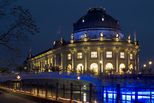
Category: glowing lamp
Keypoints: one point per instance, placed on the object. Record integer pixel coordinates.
(100, 62)
(18, 77)
(129, 40)
(117, 37)
(150, 62)
(101, 36)
(144, 65)
(78, 77)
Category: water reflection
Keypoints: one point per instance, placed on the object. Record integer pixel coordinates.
(88, 94)
(129, 95)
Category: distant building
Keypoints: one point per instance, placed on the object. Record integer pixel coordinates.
(97, 46)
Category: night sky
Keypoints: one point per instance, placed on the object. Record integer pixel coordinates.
(55, 19)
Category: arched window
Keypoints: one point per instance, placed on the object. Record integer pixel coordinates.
(130, 70)
(122, 68)
(94, 68)
(69, 68)
(131, 66)
(80, 68)
(109, 66)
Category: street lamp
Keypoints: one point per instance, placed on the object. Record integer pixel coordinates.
(144, 68)
(150, 63)
(144, 65)
(100, 62)
(78, 77)
(18, 77)
(25, 68)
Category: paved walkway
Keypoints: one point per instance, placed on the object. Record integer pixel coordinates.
(10, 98)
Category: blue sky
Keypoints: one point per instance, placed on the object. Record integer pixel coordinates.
(59, 15)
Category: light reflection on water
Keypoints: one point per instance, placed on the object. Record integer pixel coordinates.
(99, 95)
(129, 96)
(110, 96)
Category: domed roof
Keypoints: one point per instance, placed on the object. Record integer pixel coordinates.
(96, 18)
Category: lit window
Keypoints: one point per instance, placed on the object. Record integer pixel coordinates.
(109, 54)
(94, 54)
(69, 56)
(69, 68)
(131, 66)
(79, 55)
(122, 68)
(94, 68)
(80, 68)
(131, 56)
(122, 55)
(109, 66)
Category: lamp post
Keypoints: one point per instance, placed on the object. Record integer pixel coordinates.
(25, 68)
(144, 65)
(144, 68)
(150, 62)
(18, 77)
(150, 69)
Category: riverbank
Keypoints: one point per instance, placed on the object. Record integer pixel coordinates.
(27, 95)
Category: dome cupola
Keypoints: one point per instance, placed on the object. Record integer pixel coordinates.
(94, 22)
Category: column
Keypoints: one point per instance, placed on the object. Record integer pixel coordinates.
(64, 61)
(135, 62)
(101, 62)
(61, 61)
(138, 61)
(117, 60)
(128, 60)
(46, 66)
(103, 58)
(54, 60)
(85, 56)
(73, 60)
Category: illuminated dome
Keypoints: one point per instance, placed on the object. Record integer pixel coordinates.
(95, 21)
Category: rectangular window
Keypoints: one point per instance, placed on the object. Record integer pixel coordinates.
(109, 54)
(79, 55)
(122, 55)
(94, 54)
(131, 56)
(69, 56)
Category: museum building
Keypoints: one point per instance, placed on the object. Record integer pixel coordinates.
(97, 45)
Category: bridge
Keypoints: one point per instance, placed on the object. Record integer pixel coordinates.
(40, 80)
(39, 85)
(89, 78)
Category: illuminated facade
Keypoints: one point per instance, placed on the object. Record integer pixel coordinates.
(97, 46)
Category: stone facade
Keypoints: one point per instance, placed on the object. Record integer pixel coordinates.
(103, 54)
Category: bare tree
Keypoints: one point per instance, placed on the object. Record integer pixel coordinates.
(16, 26)
(21, 26)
